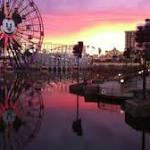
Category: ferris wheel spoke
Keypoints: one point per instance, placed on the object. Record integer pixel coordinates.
(29, 13)
(14, 3)
(14, 56)
(30, 25)
(30, 19)
(24, 34)
(12, 88)
(22, 57)
(20, 4)
(26, 28)
(17, 59)
(29, 38)
(24, 39)
(30, 4)
(33, 37)
(36, 31)
(29, 34)
(34, 104)
(31, 28)
(16, 93)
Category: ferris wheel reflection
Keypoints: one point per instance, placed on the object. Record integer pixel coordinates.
(21, 112)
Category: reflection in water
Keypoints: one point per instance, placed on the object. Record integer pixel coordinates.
(76, 125)
(21, 111)
(21, 114)
(105, 105)
(139, 124)
(102, 129)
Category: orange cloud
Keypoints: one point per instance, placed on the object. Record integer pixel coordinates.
(100, 28)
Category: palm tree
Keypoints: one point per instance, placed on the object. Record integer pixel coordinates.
(99, 51)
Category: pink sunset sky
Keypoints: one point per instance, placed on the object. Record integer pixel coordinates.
(100, 23)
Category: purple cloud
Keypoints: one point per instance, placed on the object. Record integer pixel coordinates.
(58, 6)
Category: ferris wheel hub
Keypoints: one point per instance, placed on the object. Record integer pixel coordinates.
(9, 116)
(8, 26)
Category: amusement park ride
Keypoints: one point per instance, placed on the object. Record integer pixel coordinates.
(21, 27)
(21, 103)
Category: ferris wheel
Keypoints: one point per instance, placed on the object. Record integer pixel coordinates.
(21, 113)
(21, 27)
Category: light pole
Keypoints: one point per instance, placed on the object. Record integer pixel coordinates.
(144, 75)
(77, 125)
(143, 41)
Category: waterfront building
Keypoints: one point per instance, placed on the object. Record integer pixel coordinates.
(129, 39)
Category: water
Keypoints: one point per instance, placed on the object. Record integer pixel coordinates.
(103, 125)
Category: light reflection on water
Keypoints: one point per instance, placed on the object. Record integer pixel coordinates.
(103, 125)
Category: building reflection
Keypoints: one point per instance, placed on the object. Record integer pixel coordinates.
(101, 105)
(139, 124)
(21, 110)
(105, 104)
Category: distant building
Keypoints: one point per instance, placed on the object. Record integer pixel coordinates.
(112, 53)
(129, 39)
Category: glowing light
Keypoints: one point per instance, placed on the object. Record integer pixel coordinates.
(139, 72)
(122, 81)
(121, 112)
(119, 74)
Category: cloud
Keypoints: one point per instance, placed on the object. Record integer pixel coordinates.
(58, 6)
(69, 19)
(67, 23)
(145, 3)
